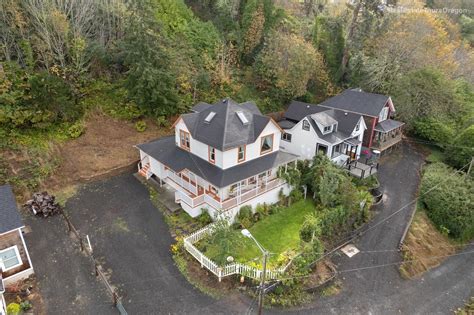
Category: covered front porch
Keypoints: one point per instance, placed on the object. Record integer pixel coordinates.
(387, 134)
(346, 151)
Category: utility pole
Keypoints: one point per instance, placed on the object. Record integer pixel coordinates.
(262, 284)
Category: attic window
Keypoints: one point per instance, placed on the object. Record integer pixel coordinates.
(242, 118)
(209, 117)
(305, 125)
(327, 129)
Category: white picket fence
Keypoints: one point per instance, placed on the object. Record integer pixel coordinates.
(228, 269)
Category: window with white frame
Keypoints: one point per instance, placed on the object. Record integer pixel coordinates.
(10, 258)
(383, 114)
(327, 129)
(305, 125)
(286, 136)
(358, 127)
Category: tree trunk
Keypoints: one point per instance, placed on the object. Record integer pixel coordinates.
(350, 35)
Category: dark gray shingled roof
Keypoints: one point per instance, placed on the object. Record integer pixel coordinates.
(165, 151)
(199, 107)
(9, 217)
(225, 130)
(333, 137)
(358, 101)
(286, 124)
(298, 110)
(387, 125)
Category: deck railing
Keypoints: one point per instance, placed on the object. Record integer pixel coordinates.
(228, 269)
(226, 204)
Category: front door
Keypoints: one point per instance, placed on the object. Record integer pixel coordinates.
(321, 148)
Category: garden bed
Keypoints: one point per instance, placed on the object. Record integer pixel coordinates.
(278, 233)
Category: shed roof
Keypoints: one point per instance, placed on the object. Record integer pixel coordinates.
(9, 217)
(388, 125)
(167, 152)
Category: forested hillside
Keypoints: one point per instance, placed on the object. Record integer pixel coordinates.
(156, 58)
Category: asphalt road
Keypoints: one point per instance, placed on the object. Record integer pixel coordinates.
(131, 238)
(381, 290)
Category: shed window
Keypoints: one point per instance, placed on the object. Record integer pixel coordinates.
(10, 258)
(305, 125)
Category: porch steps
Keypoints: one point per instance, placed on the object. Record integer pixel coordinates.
(145, 170)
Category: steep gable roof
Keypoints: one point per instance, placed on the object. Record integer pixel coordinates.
(298, 110)
(9, 217)
(225, 129)
(346, 121)
(358, 101)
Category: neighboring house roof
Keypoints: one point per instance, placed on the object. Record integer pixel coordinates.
(324, 119)
(358, 101)
(9, 217)
(165, 151)
(226, 130)
(299, 110)
(388, 125)
(286, 124)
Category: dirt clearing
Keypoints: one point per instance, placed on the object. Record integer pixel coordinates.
(423, 242)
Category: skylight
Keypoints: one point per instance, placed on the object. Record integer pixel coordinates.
(209, 117)
(242, 118)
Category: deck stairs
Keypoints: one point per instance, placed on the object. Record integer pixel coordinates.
(145, 171)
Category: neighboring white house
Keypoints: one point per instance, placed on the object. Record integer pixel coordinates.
(310, 129)
(220, 158)
(15, 263)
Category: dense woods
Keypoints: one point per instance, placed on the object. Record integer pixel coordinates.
(156, 58)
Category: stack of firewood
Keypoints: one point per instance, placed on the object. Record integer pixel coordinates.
(43, 204)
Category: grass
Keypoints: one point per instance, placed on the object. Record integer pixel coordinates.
(278, 233)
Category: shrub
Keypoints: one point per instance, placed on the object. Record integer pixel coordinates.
(13, 309)
(161, 121)
(245, 216)
(140, 126)
(447, 197)
(76, 130)
(310, 228)
(25, 306)
(333, 219)
(296, 195)
(205, 218)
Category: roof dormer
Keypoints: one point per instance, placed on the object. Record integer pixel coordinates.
(325, 122)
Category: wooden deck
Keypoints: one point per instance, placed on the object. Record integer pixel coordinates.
(361, 170)
(381, 146)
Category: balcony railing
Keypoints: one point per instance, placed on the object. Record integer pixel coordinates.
(228, 203)
(382, 145)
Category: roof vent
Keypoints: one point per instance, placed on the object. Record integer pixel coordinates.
(224, 100)
(209, 117)
(242, 118)
(307, 106)
(345, 113)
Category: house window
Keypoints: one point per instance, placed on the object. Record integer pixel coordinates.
(358, 127)
(327, 129)
(213, 190)
(10, 258)
(267, 144)
(286, 136)
(212, 154)
(383, 114)
(184, 139)
(241, 153)
(305, 125)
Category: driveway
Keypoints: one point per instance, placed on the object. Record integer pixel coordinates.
(65, 276)
(381, 290)
(130, 237)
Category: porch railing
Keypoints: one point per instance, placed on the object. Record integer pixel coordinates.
(382, 145)
(226, 204)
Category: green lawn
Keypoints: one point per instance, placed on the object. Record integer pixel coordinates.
(277, 233)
